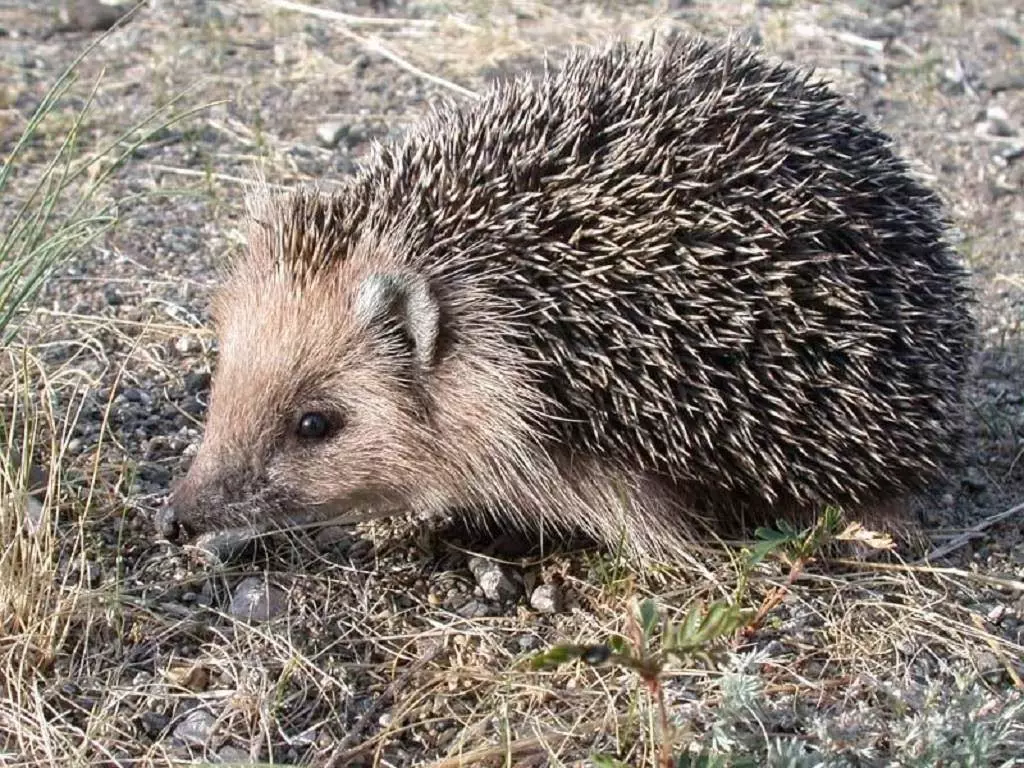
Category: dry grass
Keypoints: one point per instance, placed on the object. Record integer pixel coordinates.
(111, 638)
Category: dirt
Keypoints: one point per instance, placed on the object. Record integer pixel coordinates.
(379, 647)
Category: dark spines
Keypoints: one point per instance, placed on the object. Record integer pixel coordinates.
(722, 274)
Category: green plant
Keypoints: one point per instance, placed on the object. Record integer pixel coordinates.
(651, 641)
(62, 212)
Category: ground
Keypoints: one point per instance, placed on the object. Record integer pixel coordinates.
(377, 647)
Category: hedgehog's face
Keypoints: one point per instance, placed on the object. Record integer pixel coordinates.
(314, 412)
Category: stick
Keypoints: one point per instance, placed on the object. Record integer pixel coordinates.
(971, 533)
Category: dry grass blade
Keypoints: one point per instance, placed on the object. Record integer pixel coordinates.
(373, 45)
(971, 533)
(349, 18)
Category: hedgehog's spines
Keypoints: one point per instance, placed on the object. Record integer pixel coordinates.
(718, 273)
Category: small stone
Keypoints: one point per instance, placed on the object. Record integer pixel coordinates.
(330, 133)
(223, 546)
(229, 754)
(496, 581)
(996, 614)
(153, 723)
(196, 728)
(474, 609)
(997, 122)
(185, 344)
(34, 512)
(954, 79)
(132, 395)
(155, 473)
(197, 382)
(1009, 81)
(546, 598)
(528, 642)
(254, 600)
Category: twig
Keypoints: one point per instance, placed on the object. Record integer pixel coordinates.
(971, 533)
(875, 46)
(377, 47)
(351, 19)
(984, 578)
(206, 175)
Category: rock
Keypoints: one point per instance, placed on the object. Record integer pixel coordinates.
(229, 754)
(34, 512)
(547, 598)
(474, 609)
(155, 473)
(1006, 81)
(186, 344)
(329, 537)
(996, 614)
(197, 382)
(222, 546)
(196, 728)
(233, 755)
(495, 579)
(112, 297)
(996, 123)
(528, 642)
(330, 133)
(254, 600)
(153, 723)
(132, 395)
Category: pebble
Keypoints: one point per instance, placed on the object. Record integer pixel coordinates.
(197, 382)
(186, 344)
(112, 297)
(229, 754)
(330, 133)
(528, 642)
(153, 723)
(997, 122)
(222, 546)
(495, 579)
(546, 598)
(474, 609)
(1009, 81)
(254, 600)
(196, 728)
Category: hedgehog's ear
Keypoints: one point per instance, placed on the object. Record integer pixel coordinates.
(408, 302)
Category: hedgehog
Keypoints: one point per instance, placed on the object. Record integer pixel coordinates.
(667, 290)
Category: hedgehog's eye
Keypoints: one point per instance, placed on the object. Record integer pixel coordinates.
(314, 426)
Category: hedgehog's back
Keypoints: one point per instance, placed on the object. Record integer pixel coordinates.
(726, 276)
